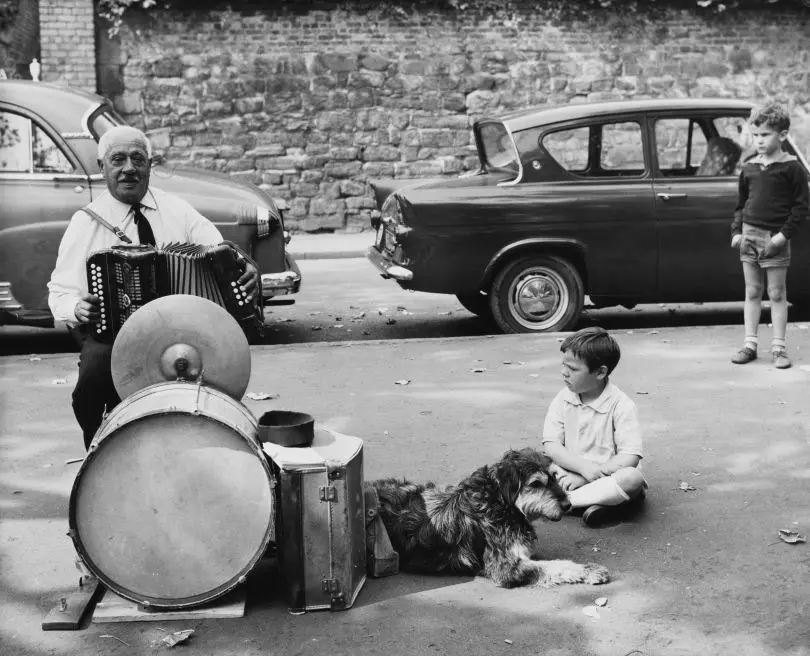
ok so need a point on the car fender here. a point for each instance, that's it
(545, 245)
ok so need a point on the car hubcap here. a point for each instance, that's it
(538, 298)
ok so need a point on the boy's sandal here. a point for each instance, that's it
(744, 356)
(781, 359)
(597, 515)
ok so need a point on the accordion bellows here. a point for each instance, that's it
(127, 277)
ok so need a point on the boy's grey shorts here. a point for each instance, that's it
(752, 248)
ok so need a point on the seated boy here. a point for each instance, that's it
(592, 432)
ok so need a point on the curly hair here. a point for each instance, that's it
(772, 115)
(595, 347)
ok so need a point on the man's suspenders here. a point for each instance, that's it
(118, 232)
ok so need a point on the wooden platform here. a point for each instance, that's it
(112, 608)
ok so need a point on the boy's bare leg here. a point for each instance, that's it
(752, 310)
(778, 296)
(621, 486)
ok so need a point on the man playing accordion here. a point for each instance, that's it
(131, 209)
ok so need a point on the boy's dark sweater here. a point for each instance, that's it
(774, 198)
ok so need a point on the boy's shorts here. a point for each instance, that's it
(752, 248)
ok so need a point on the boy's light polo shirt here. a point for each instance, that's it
(597, 430)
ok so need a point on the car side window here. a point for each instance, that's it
(26, 148)
(700, 147)
(602, 150)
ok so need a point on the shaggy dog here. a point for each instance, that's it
(483, 525)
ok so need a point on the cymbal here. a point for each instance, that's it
(181, 337)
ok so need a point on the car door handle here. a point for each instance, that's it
(670, 196)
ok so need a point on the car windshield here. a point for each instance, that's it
(498, 151)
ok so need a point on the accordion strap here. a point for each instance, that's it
(97, 217)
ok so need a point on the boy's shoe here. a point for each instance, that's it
(597, 515)
(744, 355)
(781, 359)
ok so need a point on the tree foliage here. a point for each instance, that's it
(115, 10)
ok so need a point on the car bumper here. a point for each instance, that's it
(386, 266)
(277, 287)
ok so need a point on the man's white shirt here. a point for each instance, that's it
(172, 220)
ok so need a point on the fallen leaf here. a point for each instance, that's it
(404, 381)
(790, 536)
(288, 320)
(34, 358)
(640, 392)
(591, 611)
(402, 308)
(390, 321)
(478, 370)
(317, 327)
(17, 492)
(362, 315)
(653, 332)
(602, 601)
(59, 381)
(686, 487)
(382, 310)
(507, 362)
(312, 314)
(507, 641)
(533, 375)
(366, 332)
(445, 314)
(177, 637)
(338, 319)
(338, 325)
(261, 396)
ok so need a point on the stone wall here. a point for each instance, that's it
(68, 43)
(311, 103)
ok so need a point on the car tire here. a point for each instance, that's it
(478, 304)
(537, 293)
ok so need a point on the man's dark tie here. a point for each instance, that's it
(145, 234)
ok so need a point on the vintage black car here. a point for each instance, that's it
(622, 202)
(48, 170)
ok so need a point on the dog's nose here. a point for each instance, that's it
(565, 504)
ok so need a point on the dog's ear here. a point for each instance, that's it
(509, 482)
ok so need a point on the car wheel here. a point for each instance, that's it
(537, 293)
(478, 304)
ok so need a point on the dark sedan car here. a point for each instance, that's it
(48, 170)
(624, 202)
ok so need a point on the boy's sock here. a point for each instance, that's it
(751, 341)
(778, 344)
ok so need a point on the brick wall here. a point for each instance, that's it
(311, 103)
(68, 43)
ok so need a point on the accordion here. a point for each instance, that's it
(127, 277)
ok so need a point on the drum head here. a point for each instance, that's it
(172, 509)
(181, 337)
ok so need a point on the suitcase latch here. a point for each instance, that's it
(328, 493)
(336, 597)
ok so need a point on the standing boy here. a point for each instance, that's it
(773, 203)
(592, 432)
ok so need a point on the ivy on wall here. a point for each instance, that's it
(114, 10)
(8, 12)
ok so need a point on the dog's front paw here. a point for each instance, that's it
(596, 574)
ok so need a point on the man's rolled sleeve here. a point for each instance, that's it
(627, 429)
(68, 281)
(554, 426)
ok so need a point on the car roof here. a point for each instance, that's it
(59, 105)
(543, 115)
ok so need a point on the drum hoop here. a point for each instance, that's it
(177, 602)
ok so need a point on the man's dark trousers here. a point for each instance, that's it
(94, 391)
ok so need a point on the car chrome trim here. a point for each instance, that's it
(386, 267)
(262, 221)
(519, 177)
(86, 120)
(47, 177)
(283, 282)
(798, 152)
(7, 300)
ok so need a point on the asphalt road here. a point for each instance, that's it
(346, 300)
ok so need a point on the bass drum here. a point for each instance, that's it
(173, 505)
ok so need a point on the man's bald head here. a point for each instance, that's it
(122, 134)
(125, 159)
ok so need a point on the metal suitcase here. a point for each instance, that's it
(320, 521)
